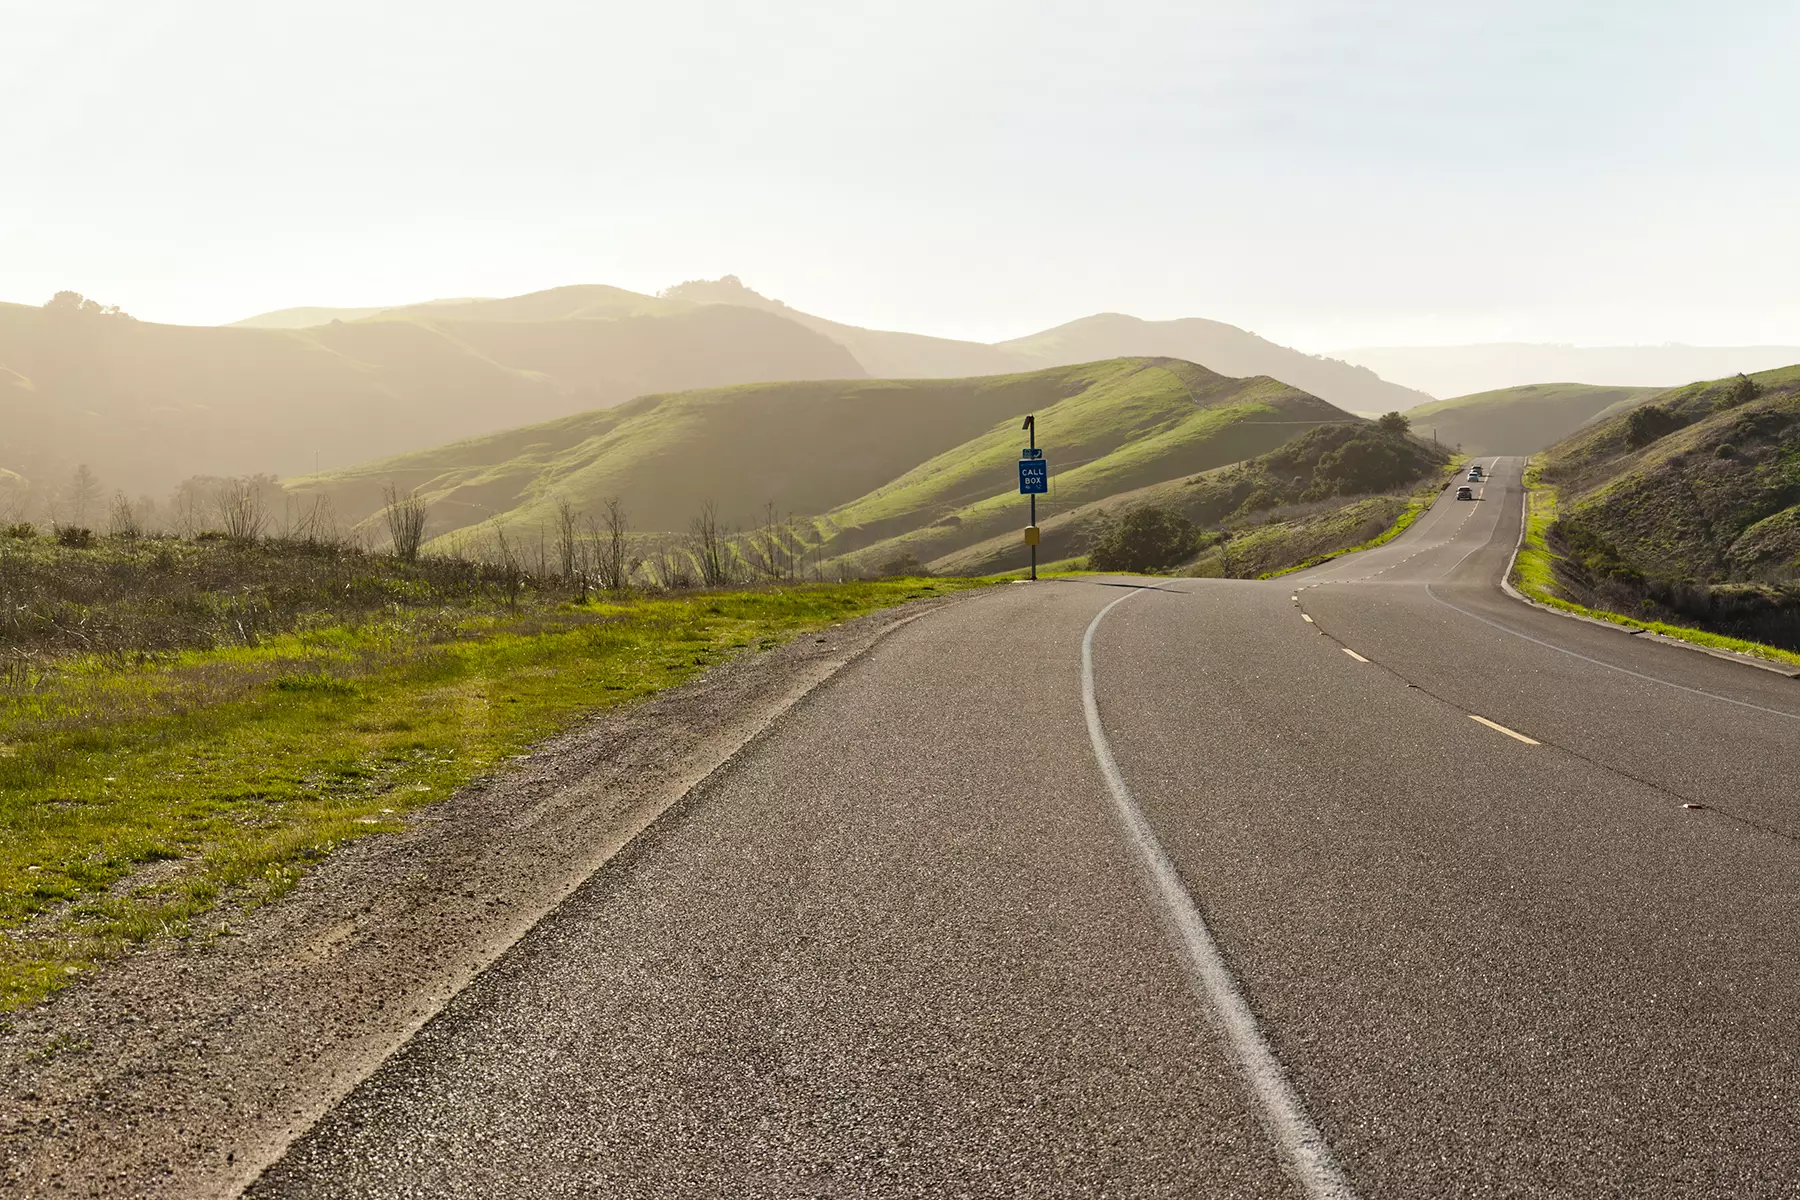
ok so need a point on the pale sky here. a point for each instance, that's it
(1327, 173)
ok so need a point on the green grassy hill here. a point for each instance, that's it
(1521, 420)
(1322, 470)
(1687, 507)
(922, 467)
(147, 405)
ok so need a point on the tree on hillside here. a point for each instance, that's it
(1149, 537)
(1394, 422)
(75, 302)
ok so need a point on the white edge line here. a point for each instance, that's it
(1511, 733)
(1353, 654)
(1308, 619)
(1304, 1151)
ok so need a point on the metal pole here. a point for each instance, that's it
(1034, 505)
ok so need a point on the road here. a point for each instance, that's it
(1368, 881)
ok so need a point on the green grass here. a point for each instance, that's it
(1534, 575)
(136, 796)
(881, 468)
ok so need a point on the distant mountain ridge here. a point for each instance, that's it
(147, 405)
(886, 354)
(1213, 344)
(1467, 370)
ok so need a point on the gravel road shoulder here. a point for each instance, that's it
(181, 1071)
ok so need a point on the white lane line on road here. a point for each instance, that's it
(1511, 733)
(1680, 687)
(1304, 1151)
(1307, 619)
(1353, 654)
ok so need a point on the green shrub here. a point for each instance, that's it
(75, 537)
(1147, 538)
(1651, 423)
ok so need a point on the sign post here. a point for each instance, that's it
(1034, 481)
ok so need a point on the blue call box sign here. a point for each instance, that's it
(1034, 476)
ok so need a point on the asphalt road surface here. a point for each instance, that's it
(1369, 881)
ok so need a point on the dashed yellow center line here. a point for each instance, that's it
(1307, 619)
(1499, 728)
(1354, 654)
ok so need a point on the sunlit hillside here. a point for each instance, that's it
(920, 467)
(146, 405)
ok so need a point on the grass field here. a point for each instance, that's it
(144, 785)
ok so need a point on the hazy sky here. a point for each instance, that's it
(1325, 173)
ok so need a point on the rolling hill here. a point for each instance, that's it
(1687, 507)
(1320, 471)
(921, 467)
(1520, 420)
(148, 405)
(1213, 344)
(1466, 370)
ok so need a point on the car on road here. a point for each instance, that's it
(1474, 474)
(1465, 493)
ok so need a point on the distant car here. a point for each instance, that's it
(1475, 474)
(1465, 493)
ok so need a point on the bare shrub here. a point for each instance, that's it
(123, 520)
(711, 549)
(238, 503)
(510, 566)
(568, 543)
(317, 524)
(614, 552)
(406, 517)
(673, 565)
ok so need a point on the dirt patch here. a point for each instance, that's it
(183, 1070)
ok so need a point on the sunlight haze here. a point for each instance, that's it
(1325, 174)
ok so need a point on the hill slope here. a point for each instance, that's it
(1465, 370)
(1223, 348)
(1317, 471)
(889, 467)
(1688, 507)
(147, 405)
(1520, 420)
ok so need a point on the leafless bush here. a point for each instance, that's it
(316, 524)
(711, 549)
(512, 570)
(239, 506)
(613, 549)
(673, 565)
(568, 544)
(406, 516)
(123, 520)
